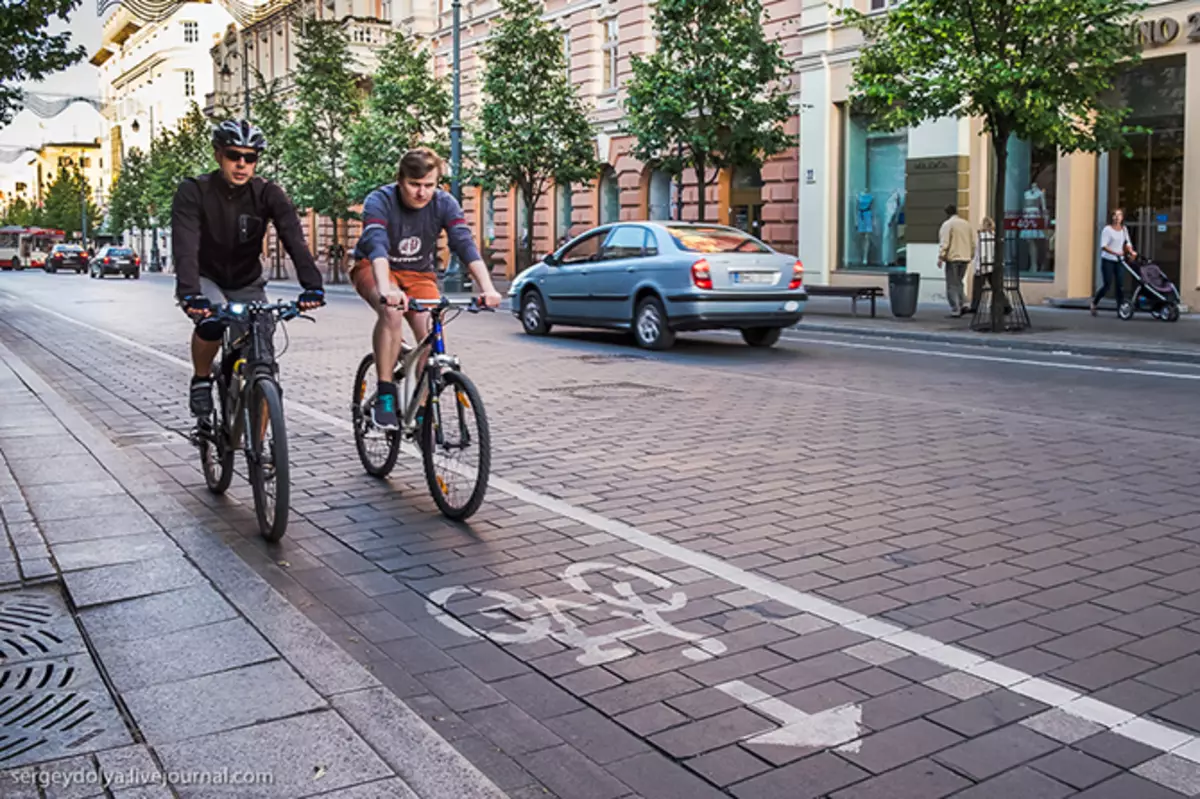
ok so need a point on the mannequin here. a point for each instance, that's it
(1033, 213)
(893, 212)
(864, 224)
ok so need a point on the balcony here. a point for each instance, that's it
(367, 38)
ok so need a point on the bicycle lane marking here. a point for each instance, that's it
(1146, 731)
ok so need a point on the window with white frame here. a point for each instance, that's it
(189, 83)
(612, 53)
(879, 5)
(566, 48)
(191, 32)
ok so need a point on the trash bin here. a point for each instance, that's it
(903, 289)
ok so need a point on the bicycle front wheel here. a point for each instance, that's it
(456, 446)
(269, 473)
(216, 456)
(377, 449)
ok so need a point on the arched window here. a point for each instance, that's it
(610, 197)
(662, 195)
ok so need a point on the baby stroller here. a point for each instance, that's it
(1152, 292)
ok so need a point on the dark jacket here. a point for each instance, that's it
(217, 232)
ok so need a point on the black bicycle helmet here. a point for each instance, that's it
(239, 133)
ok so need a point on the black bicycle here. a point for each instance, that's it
(248, 413)
(439, 408)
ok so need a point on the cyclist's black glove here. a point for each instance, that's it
(196, 302)
(316, 296)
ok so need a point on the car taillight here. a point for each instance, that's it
(107, 260)
(797, 276)
(702, 274)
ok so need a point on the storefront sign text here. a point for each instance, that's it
(1161, 32)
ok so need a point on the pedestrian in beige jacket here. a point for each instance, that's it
(956, 250)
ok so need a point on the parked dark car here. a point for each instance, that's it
(655, 279)
(66, 256)
(114, 260)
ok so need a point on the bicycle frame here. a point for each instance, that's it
(414, 388)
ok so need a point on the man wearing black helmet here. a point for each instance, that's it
(218, 222)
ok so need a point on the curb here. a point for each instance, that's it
(1010, 341)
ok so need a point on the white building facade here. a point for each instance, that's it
(150, 75)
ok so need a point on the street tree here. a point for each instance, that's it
(67, 201)
(315, 144)
(1038, 70)
(176, 154)
(127, 205)
(533, 128)
(28, 52)
(19, 212)
(711, 93)
(406, 107)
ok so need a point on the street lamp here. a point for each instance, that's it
(454, 272)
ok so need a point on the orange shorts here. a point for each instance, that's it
(421, 286)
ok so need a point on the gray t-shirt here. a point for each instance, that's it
(408, 237)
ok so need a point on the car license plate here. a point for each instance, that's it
(756, 278)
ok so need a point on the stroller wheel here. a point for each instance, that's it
(1172, 314)
(1125, 310)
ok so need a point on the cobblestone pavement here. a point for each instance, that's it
(816, 571)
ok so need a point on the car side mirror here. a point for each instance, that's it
(550, 260)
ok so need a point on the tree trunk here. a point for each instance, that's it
(999, 300)
(527, 247)
(702, 182)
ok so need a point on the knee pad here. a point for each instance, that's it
(210, 329)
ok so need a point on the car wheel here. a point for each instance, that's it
(761, 336)
(79, 271)
(50, 270)
(533, 314)
(650, 328)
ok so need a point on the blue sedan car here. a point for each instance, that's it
(659, 278)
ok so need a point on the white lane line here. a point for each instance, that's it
(1154, 734)
(964, 356)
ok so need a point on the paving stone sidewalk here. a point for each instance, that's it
(140, 657)
(1053, 330)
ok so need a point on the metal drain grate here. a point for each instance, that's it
(53, 703)
(615, 357)
(611, 391)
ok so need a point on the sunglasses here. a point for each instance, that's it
(234, 156)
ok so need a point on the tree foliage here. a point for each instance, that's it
(315, 143)
(127, 205)
(28, 51)
(20, 212)
(65, 202)
(407, 107)
(710, 95)
(271, 115)
(533, 128)
(1041, 70)
(175, 154)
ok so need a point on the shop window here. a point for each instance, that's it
(873, 169)
(746, 200)
(1031, 177)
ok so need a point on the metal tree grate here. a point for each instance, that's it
(53, 703)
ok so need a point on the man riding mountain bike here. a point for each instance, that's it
(394, 261)
(218, 223)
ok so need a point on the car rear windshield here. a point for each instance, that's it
(68, 248)
(714, 239)
(117, 251)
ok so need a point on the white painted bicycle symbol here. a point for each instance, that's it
(548, 617)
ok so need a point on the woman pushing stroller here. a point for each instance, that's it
(1114, 247)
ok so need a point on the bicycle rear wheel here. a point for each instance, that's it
(377, 449)
(456, 446)
(216, 456)
(269, 473)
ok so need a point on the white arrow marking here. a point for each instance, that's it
(839, 725)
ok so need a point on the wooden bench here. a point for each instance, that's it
(855, 293)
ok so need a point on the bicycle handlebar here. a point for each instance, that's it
(472, 306)
(236, 310)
